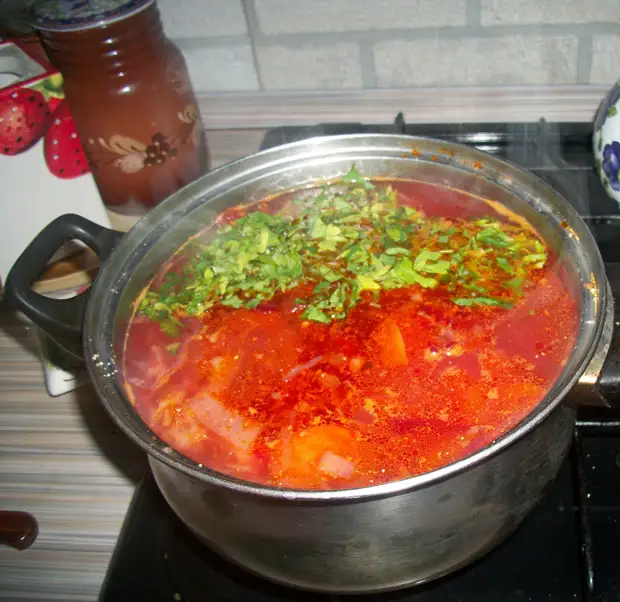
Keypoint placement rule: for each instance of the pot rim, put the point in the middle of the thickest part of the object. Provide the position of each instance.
(486, 165)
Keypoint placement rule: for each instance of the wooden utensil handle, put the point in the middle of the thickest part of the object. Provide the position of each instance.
(17, 529)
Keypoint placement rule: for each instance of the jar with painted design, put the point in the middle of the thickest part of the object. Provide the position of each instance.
(128, 91)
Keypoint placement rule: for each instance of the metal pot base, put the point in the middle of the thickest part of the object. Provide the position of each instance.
(380, 544)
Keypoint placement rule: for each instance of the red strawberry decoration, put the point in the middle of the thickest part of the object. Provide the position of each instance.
(24, 117)
(63, 151)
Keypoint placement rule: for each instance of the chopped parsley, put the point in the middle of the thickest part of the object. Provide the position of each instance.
(346, 245)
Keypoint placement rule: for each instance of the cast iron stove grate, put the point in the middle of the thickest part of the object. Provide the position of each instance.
(566, 550)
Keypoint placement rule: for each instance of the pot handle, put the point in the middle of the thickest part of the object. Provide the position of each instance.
(61, 319)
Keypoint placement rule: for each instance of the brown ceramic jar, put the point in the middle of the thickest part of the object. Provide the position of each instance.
(130, 97)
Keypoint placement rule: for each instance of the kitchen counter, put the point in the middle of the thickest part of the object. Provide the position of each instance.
(63, 460)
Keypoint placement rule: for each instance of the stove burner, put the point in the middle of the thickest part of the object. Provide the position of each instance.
(566, 550)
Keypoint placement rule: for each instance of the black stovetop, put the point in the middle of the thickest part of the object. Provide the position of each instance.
(566, 550)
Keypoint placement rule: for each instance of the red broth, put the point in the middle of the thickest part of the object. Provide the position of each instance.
(407, 383)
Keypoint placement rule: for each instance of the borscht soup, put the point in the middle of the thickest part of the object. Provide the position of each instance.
(354, 334)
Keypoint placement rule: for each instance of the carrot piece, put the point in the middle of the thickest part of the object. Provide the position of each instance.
(391, 344)
(300, 461)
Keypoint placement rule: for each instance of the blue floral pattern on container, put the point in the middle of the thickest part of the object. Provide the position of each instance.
(611, 164)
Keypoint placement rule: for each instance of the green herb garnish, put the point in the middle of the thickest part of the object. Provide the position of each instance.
(173, 347)
(471, 301)
(349, 243)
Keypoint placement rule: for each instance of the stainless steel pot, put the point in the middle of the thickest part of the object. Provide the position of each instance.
(365, 540)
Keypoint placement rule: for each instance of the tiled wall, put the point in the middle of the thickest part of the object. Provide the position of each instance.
(236, 45)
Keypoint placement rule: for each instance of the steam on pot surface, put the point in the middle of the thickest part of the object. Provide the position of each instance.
(355, 333)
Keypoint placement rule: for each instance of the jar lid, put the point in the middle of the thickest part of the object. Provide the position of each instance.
(73, 15)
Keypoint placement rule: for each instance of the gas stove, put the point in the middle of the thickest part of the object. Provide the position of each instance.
(566, 550)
